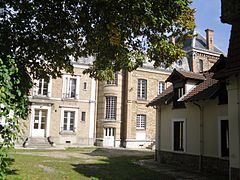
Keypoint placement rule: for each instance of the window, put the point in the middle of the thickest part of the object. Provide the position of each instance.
(70, 87)
(84, 85)
(200, 65)
(180, 63)
(224, 138)
(111, 107)
(69, 121)
(41, 88)
(142, 89)
(141, 121)
(178, 93)
(114, 81)
(178, 135)
(161, 87)
(83, 116)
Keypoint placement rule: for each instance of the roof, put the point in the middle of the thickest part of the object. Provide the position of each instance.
(199, 42)
(204, 90)
(164, 98)
(185, 75)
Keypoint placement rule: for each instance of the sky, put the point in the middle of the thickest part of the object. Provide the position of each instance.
(207, 16)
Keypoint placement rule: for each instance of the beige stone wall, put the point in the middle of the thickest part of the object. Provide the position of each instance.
(135, 106)
(57, 104)
(208, 60)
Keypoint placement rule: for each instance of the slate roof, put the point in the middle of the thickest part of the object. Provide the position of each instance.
(199, 42)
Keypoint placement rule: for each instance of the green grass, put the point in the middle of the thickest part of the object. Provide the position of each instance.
(86, 163)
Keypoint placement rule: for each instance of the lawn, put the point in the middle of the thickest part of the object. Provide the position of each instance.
(80, 163)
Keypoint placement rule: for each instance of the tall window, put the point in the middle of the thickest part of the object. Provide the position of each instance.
(142, 89)
(111, 107)
(224, 138)
(70, 87)
(178, 136)
(141, 121)
(114, 80)
(200, 65)
(69, 121)
(83, 116)
(161, 87)
(42, 88)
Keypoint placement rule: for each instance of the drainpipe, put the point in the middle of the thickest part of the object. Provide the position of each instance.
(201, 136)
(158, 130)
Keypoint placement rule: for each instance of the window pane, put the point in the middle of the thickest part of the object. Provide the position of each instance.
(73, 85)
(141, 121)
(142, 89)
(111, 107)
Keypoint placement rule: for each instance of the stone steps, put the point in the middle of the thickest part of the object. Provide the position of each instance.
(38, 143)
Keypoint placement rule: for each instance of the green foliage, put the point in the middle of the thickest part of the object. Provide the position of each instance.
(120, 34)
(45, 36)
(14, 87)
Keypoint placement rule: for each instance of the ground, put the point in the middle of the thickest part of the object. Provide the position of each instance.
(93, 163)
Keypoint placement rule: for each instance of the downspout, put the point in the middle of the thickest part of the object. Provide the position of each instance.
(158, 134)
(200, 162)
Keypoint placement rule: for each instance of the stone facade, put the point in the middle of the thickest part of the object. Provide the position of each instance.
(128, 106)
(63, 109)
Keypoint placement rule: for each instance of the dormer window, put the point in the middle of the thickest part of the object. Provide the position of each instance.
(178, 93)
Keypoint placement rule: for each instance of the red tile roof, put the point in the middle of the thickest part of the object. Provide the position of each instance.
(185, 74)
(204, 90)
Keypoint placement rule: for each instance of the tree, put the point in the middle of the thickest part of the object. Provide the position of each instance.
(44, 36)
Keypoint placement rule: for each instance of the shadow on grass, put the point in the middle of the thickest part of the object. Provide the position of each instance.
(117, 167)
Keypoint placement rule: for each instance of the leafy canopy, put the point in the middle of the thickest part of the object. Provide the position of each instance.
(43, 35)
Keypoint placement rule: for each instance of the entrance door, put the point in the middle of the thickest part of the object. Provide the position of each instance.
(39, 122)
(109, 137)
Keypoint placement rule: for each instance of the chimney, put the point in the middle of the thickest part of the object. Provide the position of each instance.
(209, 39)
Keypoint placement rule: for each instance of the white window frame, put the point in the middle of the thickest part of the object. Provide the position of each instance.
(75, 120)
(141, 121)
(184, 133)
(221, 118)
(111, 109)
(66, 90)
(36, 87)
(141, 89)
(161, 87)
